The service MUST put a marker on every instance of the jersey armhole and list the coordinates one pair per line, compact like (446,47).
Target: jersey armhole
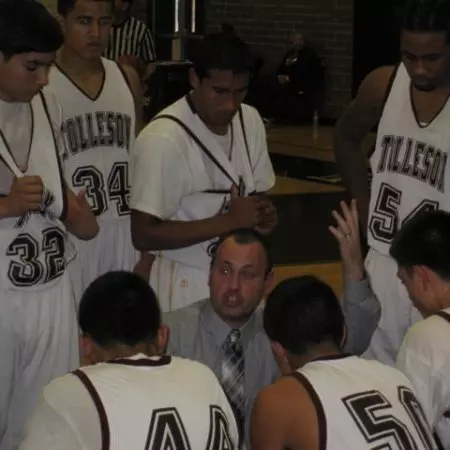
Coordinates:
(321,418)
(63,214)
(383,104)
(444,315)
(104,425)
(127,81)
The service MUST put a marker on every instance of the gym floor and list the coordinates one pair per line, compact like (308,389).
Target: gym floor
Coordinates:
(308,187)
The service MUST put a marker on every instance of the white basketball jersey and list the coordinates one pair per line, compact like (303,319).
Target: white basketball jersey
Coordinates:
(409,165)
(98,134)
(33,247)
(159,403)
(364,404)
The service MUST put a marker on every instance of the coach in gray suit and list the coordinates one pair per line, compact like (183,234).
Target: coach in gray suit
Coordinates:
(226,332)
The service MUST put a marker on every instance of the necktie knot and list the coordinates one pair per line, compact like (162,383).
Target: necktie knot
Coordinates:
(233,341)
(235,336)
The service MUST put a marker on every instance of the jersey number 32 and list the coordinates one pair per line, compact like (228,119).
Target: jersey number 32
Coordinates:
(30,268)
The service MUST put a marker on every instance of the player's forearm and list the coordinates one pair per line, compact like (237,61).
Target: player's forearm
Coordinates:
(5,209)
(171,235)
(352,166)
(80,220)
(84,226)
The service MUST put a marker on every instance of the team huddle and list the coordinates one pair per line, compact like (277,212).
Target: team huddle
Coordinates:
(137,303)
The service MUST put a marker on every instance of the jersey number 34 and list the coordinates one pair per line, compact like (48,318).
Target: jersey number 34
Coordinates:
(99,192)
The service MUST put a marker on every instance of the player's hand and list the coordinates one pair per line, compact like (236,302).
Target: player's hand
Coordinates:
(81,204)
(270,218)
(283,79)
(347,235)
(25,195)
(128,60)
(247,212)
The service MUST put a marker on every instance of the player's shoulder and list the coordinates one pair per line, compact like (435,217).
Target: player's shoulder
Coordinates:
(64,389)
(286,390)
(165,128)
(52,105)
(428,332)
(251,115)
(378,82)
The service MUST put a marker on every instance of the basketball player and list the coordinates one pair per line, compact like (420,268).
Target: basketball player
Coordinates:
(38,334)
(422,251)
(101,117)
(409,163)
(131,398)
(327,399)
(205,175)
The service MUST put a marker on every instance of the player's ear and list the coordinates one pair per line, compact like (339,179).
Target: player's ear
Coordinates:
(162,339)
(193,78)
(281,357)
(268,283)
(277,350)
(87,350)
(61,22)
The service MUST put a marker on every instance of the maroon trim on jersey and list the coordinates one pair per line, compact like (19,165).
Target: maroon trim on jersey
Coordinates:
(143,362)
(321,418)
(125,77)
(383,105)
(415,113)
(63,215)
(444,315)
(332,357)
(79,88)
(104,425)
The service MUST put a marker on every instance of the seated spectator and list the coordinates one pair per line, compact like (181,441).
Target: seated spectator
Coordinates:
(328,399)
(130,398)
(293,94)
(422,252)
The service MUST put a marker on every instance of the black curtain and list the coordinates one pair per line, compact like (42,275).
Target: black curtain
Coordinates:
(376,36)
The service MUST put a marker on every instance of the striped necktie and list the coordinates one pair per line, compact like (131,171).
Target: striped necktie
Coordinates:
(232,375)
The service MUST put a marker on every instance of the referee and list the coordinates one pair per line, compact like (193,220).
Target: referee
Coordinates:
(130,41)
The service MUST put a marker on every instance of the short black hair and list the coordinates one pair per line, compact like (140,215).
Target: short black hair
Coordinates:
(28,26)
(65,7)
(221,51)
(119,308)
(424,16)
(243,236)
(424,241)
(302,313)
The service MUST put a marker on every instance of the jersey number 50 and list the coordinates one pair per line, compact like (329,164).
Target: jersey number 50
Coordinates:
(375,418)
(98,193)
(383,224)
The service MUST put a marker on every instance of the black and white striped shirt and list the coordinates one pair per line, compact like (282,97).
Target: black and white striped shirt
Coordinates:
(132,37)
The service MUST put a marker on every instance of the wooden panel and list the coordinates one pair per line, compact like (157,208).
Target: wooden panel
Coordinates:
(292,186)
(299,141)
